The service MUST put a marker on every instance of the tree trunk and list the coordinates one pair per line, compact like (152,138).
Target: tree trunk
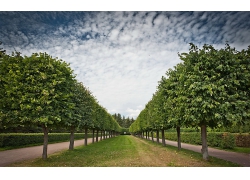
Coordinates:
(45,142)
(96,139)
(71,142)
(157,136)
(101,135)
(86,137)
(163,137)
(204,149)
(178,129)
(152,134)
(93,135)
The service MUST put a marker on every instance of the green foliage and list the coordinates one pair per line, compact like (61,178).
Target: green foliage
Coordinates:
(35,90)
(42,91)
(214,139)
(209,88)
(21,139)
(216,87)
(228,141)
(125,131)
(122,121)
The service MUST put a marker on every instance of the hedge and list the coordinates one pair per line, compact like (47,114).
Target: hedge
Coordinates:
(242,140)
(22,139)
(214,139)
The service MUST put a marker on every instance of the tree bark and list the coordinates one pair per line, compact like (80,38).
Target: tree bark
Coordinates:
(101,135)
(163,137)
(96,139)
(71,142)
(204,149)
(178,129)
(157,136)
(86,136)
(152,134)
(45,142)
(93,135)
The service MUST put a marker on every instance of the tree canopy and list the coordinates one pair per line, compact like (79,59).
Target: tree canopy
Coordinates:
(43,91)
(209,88)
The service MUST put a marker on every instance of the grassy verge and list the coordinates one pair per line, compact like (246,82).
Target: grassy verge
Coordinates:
(237,149)
(125,151)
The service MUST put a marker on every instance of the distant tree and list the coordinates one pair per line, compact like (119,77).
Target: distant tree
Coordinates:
(1,50)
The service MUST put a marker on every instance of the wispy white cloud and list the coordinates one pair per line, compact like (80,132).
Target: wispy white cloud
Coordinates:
(121,56)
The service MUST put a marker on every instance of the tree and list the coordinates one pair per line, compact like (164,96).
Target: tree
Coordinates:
(35,90)
(174,98)
(80,109)
(1,50)
(216,89)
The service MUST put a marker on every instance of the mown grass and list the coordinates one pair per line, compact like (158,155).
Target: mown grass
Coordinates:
(125,151)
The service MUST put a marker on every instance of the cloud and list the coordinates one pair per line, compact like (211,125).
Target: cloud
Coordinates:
(121,56)
(133,112)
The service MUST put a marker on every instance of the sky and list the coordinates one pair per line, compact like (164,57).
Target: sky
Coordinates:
(121,49)
(121,55)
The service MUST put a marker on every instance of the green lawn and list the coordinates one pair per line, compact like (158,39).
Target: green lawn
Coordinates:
(125,151)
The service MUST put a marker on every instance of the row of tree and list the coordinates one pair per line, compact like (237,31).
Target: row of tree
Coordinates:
(209,88)
(42,91)
(122,121)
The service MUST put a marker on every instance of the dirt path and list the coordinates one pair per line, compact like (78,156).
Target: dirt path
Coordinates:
(16,155)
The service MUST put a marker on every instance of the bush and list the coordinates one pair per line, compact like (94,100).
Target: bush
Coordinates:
(186,137)
(228,141)
(242,139)
(22,139)
(214,139)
